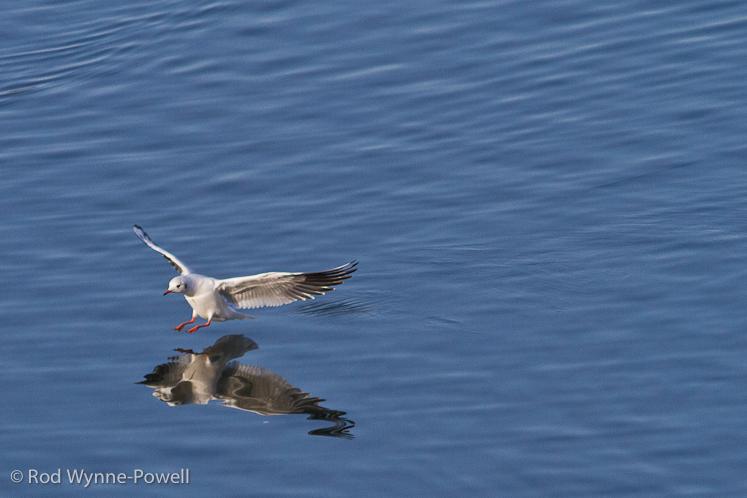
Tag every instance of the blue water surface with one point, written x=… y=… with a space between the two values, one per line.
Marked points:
x=547 y=200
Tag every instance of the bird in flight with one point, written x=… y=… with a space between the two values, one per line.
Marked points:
x=215 y=299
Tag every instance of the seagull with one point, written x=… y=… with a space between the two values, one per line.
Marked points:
x=215 y=299
x=192 y=378
x=198 y=378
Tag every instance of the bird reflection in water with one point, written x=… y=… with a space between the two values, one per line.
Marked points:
x=196 y=378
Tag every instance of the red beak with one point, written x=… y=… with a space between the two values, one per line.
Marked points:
x=166 y=292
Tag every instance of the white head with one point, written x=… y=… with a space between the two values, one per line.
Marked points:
x=177 y=284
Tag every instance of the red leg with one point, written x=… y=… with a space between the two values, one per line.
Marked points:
x=197 y=327
x=180 y=327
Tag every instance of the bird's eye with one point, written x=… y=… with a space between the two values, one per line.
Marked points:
x=179 y=285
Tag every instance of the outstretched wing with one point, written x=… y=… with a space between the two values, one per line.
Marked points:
x=167 y=374
x=276 y=288
x=180 y=267
x=257 y=389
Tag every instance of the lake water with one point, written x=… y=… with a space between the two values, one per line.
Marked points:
x=547 y=200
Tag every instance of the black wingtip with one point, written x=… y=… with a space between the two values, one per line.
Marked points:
x=324 y=281
x=345 y=271
x=141 y=233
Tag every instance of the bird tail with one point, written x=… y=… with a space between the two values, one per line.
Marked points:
x=240 y=316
